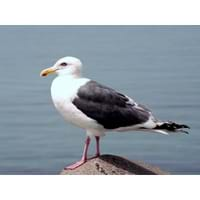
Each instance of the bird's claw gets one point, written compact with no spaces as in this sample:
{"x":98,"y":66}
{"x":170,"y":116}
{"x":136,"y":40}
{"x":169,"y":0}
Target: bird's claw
{"x":75,"y":165}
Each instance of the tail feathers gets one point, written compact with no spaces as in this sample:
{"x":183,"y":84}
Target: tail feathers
{"x":171,"y":127}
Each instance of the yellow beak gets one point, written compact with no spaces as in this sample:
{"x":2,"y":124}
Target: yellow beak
{"x":47,"y":71}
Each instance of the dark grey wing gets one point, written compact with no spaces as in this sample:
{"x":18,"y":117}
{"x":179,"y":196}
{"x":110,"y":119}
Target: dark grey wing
{"x":108,"y":107}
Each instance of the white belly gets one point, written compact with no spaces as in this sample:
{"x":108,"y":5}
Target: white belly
{"x":63,"y":91}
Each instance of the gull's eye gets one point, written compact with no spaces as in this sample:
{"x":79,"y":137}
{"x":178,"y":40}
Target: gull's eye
{"x":63,"y":64}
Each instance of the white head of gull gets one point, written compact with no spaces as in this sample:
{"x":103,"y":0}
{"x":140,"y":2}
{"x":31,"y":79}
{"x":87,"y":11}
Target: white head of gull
{"x":65,"y":66}
{"x":98,"y":108}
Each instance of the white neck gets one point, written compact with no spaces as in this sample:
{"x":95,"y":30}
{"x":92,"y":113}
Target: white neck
{"x":70,"y":76}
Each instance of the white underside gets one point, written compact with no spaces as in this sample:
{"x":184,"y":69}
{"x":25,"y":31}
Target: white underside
{"x":64,"y":90}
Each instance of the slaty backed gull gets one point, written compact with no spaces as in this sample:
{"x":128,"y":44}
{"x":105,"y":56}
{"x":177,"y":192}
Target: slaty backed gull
{"x":98,"y":108}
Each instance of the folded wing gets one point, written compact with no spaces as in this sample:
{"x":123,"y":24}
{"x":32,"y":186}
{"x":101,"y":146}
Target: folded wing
{"x":108,"y":107}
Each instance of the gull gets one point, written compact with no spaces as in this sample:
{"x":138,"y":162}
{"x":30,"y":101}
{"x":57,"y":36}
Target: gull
{"x":97,"y":108}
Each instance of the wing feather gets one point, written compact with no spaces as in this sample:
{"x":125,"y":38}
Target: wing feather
{"x":109,"y":107}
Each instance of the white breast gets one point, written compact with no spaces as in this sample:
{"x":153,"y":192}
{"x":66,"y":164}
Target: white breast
{"x":64,"y":88}
{"x":63,"y":91}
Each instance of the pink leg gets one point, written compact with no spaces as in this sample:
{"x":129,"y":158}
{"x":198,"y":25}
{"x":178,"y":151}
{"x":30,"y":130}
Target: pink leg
{"x":84,"y":156}
{"x":97,"y":154}
{"x":97,"y":146}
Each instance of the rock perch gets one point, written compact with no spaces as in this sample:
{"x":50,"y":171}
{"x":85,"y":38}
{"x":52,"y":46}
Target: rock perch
{"x":114,"y":165}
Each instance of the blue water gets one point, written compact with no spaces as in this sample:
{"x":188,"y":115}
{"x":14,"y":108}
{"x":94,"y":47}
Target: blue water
{"x":158,"y":66}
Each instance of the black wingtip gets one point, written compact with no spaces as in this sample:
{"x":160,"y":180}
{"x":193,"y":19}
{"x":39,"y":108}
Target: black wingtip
{"x":186,"y":132}
{"x":182,"y":131}
{"x":185,"y":126}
